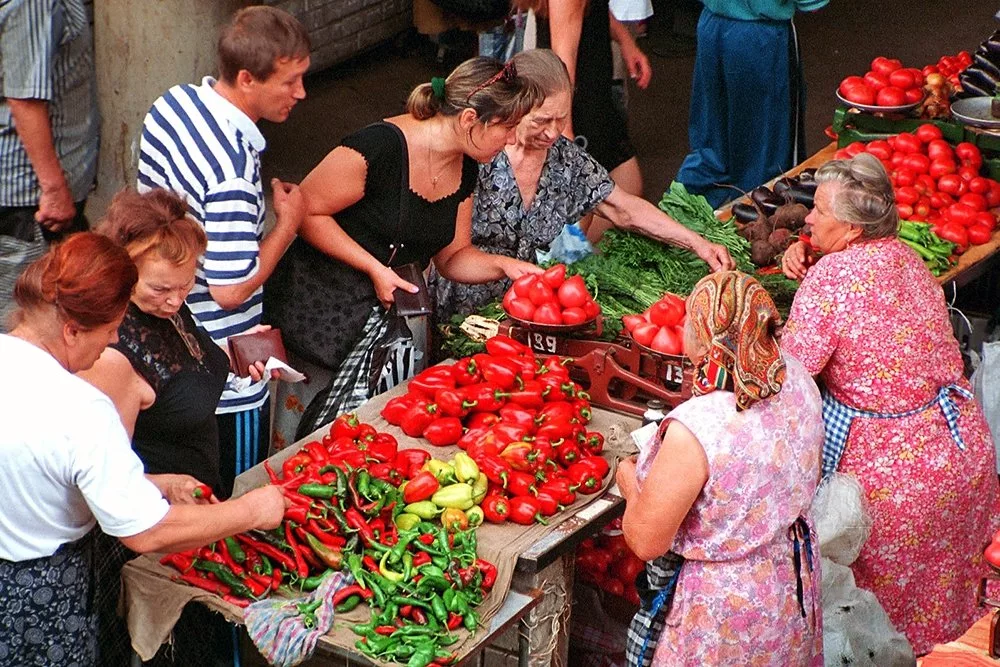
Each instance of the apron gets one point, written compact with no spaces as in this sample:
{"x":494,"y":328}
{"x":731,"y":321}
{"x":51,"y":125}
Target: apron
{"x":837,"y":419}
{"x":47,"y":614}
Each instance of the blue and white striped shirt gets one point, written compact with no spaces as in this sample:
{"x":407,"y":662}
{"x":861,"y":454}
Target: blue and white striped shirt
{"x":46,"y":53}
{"x":200,"y":145}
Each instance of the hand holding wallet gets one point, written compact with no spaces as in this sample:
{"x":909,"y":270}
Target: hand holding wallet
{"x":247,"y":349}
{"x":409,"y":304}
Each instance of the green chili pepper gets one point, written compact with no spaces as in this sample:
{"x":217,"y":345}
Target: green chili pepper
{"x":350,"y":604}
{"x":388,"y":614}
{"x":354,"y":565}
{"x":449,"y":599}
{"x":447,"y":640}
{"x":266,"y":568}
{"x":440,"y":583}
{"x":235,"y":550}
{"x":362,"y":482}
{"x":422,"y":656}
{"x":225,"y":575}
{"x":341,"y":483}
{"x":317,"y":491}
{"x":471,"y":621}
{"x":438,"y":608}
{"x":402,"y":600}
{"x":431,"y":570}
{"x":312,"y":583}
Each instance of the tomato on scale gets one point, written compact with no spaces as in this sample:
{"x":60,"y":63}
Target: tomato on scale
{"x":551,"y":298}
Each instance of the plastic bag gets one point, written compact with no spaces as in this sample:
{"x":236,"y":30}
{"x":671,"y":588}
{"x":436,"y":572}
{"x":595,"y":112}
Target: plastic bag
{"x":986,"y":386}
{"x":569,"y":246}
{"x":841,"y":521}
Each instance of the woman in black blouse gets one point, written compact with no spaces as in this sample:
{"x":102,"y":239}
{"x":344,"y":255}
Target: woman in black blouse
{"x":423,"y":162}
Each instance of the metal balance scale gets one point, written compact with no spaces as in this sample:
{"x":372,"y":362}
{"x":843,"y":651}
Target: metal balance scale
{"x":983,"y":601}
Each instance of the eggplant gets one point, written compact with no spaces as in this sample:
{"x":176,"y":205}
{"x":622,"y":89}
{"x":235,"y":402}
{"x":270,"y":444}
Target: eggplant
{"x":979,"y":79}
{"x":807,"y":175}
{"x":766,"y":199}
{"x":987,"y":66}
{"x":992,"y":45}
{"x":970,"y":89}
{"x":782,"y":185}
{"x":801,"y":194}
{"x":744,"y":213}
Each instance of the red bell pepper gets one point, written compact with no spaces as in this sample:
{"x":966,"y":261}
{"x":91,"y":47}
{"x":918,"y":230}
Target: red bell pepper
{"x":432,"y":379}
{"x":396,"y":407}
{"x":482,"y":420}
{"x":582,"y":409}
{"x":346,"y":425}
{"x":408,"y":459}
{"x":525,"y":510}
{"x":561,"y":488}
{"x":485,"y":444}
{"x":383,"y":448}
{"x":596,"y":463}
{"x":557,"y":429}
{"x":495,"y":508}
{"x":421,"y":487}
{"x":443,"y":431}
{"x":316,"y":451}
{"x":495,"y":468}
{"x":520,"y":483}
{"x":417,"y":419}
{"x":465,"y":372}
{"x":556,"y":367}
{"x":568,"y":452}
{"x":489,"y":571}
{"x":498,"y":371}
{"x":520,"y":456}
{"x":354,"y":458}
{"x":557,"y":388}
{"x":386,"y":472}
{"x":295,"y":464}
{"x":505,"y":433}
{"x":525,"y":368}
{"x":505,"y":346}
{"x":366,"y":434}
{"x":471,"y":435}
{"x":555,"y":411}
{"x":515,"y":414}
{"x":584,"y":478}
{"x":530,"y":396}
{"x":488,"y":397}
{"x":592,"y":442}
{"x":548,"y":503}
{"x":452,"y":403}
{"x":543,"y":454}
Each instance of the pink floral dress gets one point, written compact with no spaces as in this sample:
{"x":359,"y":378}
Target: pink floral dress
{"x":871,"y":321}
{"x":736,"y":601}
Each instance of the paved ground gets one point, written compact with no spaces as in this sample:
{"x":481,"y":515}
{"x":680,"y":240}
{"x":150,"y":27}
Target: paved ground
{"x":840,"y":39}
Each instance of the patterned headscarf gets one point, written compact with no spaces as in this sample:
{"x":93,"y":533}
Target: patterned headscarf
{"x":736,"y":317}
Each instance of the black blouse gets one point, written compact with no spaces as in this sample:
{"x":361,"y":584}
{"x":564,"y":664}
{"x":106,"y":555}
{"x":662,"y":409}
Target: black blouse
{"x":178,"y":432}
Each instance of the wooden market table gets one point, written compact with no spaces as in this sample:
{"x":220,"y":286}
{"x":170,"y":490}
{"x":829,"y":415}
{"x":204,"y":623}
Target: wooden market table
{"x":969,"y":650}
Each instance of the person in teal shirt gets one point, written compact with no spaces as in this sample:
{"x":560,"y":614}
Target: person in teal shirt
{"x":747,"y":97}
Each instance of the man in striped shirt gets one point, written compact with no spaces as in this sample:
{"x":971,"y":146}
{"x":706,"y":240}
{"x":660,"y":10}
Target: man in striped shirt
{"x":203,"y":142}
{"x":48,"y":128}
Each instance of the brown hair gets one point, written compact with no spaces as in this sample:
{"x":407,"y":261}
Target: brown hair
{"x":256,"y":38}
{"x":88,"y":278}
{"x":865,"y":197}
{"x":545,"y":69}
{"x":156,"y":221}
{"x":494,"y":91}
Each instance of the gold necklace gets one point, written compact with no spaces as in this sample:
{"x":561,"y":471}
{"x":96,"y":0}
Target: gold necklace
{"x":190,"y":342}
{"x":430,"y":171}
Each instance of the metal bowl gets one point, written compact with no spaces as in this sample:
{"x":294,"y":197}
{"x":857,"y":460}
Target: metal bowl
{"x":872,"y":108}
{"x":555,"y":328}
{"x":975,"y":111}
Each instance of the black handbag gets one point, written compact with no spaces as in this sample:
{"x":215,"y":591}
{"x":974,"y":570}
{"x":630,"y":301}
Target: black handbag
{"x":476,"y":10}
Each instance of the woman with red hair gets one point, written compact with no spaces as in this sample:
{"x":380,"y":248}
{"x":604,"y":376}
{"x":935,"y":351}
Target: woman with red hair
{"x":66,"y":466}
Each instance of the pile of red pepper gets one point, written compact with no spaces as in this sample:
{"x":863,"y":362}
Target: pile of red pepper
{"x":607,"y":562}
{"x":421,"y":582}
{"x":521,"y":419}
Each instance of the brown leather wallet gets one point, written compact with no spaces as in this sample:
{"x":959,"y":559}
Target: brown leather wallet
{"x":409,"y":304}
{"x":248,"y":349}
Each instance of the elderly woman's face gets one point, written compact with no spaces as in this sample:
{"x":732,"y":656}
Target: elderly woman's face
{"x":828,"y":233}
{"x":162,"y":285}
{"x":542,"y":126}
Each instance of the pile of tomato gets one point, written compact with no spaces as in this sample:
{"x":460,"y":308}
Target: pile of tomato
{"x":950,"y":67}
{"x":937,"y":183}
{"x":607,"y":562}
{"x":521,"y":419}
{"x":661,"y":326}
{"x":887,"y":84}
{"x":551,"y":298}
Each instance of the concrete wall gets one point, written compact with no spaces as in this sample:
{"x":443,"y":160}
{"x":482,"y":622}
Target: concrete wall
{"x":142,"y":49}
{"x":340,"y":29}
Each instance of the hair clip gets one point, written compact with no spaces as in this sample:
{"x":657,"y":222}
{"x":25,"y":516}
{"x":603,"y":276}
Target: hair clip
{"x":507,"y":74}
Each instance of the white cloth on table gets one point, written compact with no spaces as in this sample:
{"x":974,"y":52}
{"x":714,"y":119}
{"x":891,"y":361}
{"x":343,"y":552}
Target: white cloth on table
{"x":65,"y":459}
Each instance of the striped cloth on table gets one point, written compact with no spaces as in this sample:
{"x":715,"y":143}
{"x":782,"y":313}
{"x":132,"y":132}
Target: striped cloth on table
{"x":199,"y":145}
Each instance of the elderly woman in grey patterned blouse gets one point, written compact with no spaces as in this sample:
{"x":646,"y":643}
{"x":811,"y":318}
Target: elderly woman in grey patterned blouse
{"x":544,"y":181}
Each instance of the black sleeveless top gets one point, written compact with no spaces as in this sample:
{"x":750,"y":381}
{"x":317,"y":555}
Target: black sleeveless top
{"x":178,"y":432}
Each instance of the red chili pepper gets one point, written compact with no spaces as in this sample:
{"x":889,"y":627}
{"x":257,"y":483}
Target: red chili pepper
{"x":454,"y":620}
{"x":495,"y":508}
{"x":489,"y":571}
{"x":301,"y":569}
{"x":276,"y":577}
{"x":418,"y":418}
{"x":201,"y":491}
{"x":297,"y":513}
{"x":426,"y":538}
{"x":421,"y":487}
{"x":432,"y":379}
{"x":421,"y":558}
{"x":495,"y":468}
{"x":505,"y":346}
{"x":530,"y":396}
{"x":498,"y":371}
{"x":178,"y":561}
{"x":325,"y":534}
{"x":356,"y":521}
{"x":227,"y":558}
{"x":396,"y":407}
{"x":452,"y":403}
{"x":256,"y":588}
{"x":353,"y":589}
{"x":525,"y":511}
{"x":203,"y":583}
{"x":593,"y":442}
{"x":521,"y":483}
{"x":519,"y":455}
{"x":268,"y":550}
{"x":419,"y":617}
{"x":584,"y":478}
{"x":346,"y":425}
{"x":385,"y":630}
{"x":488,"y":397}
{"x":443,"y":431}
{"x":407,"y":459}
{"x":383,"y":448}
{"x":465,"y":372}
{"x":370,"y":563}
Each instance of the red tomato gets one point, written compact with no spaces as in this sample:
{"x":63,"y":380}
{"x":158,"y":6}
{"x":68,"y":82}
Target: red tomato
{"x":993,"y":196}
{"x":985,"y":219}
{"x":591,"y":308}
{"x":522,"y":284}
{"x":939,"y":149}
{"x":664,"y":314}
{"x":976,"y":202}
{"x":913,"y":95}
{"x":876,"y":81}
{"x":942,"y":166}
{"x":979,"y":185}
{"x":951,"y":184}
{"x":907,"y":195}
{"x":573,"y":293}
{"x":854,"y":148}
{"x":884,"y":65}
{"x":940,"y":200}
{"x":548,"y":313}
{"x":954,"y":232}
{"x":908,"y":143}
{"x":897,"y":160}
{"x":862,"y":94}
{"x":903,"y":78}
{"x":917,"y":162}
{"x":555,"y":276}
{"x":850,"y":82}
{"x":926,"y":184}
{"x":928,"y":133}
{"x":522,"y":309}
{"x":643,"y":334}
{"x":979,"y":234}
{"x":880,"y":149}
{"x":890,"y":96}
{"x":968,"y":172}
{"x":963,"y":214}
{"x":574,"y":316}
{"x":632,"y":321}
{"x":665,"y":341}
{"x":968,"y":154}
{"x":905,"y":211}
{"x":929,"y":69}
{"x":842,"y":154}
{"x":507,"y":298}
{"x":922,"y":208}
{"x":679,"y":330}
{"x":903,"y":177}
{"x":540,"y":293}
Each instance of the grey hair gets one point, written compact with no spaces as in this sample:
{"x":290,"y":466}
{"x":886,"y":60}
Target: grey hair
{"x":865,"y":197}
{"x":545,"y":69}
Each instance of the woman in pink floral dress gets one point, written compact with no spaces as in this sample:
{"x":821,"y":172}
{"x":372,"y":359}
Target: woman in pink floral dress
{"x":871,"y":322}
{"x":729,"y":491}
